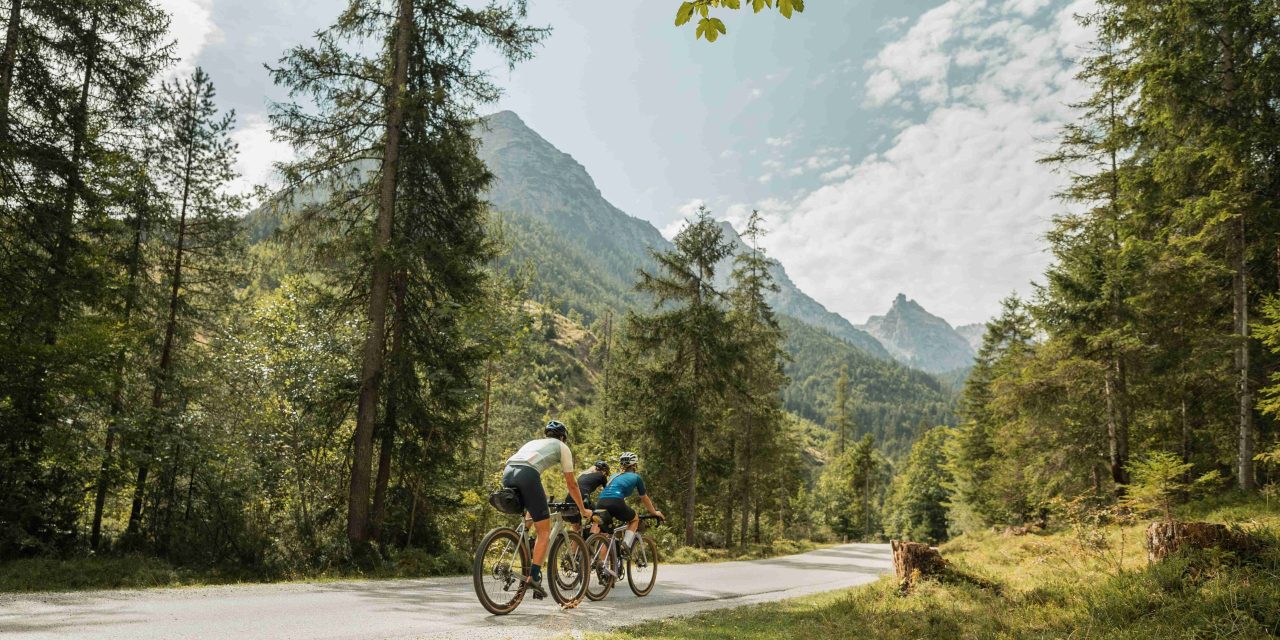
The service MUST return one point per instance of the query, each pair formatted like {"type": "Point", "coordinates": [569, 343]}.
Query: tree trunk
{"type": "Point", "coordinates": [1166, 537]}
{"type": "Point", "coordinates": [690, 496]}
{"type": "Point", "coordinates": [390, 423]}
{"type": "Point", "coordinates": [483, 523]}
{"type": "Point", "coordinates": [1240, 300]}
{"type": "Point", "coordinates": [373, 356]}
{"type": "Point", "coordinates": [913, 559]}
{"type": "Point", "coordinates": [8, 61]}
{"type": "Point", "coordinates": [1117, 433]}
{"type": "Point", "coordinates": [745, 491]}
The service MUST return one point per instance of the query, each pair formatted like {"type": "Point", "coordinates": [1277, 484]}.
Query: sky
{"type": "Point", "coordinates": [892, 145]}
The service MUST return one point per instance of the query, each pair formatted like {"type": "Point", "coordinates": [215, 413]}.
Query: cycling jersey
{"type": "Point", "coordinates": [587, 484]}
{"type": "Point", "coordinates": [623, 485]}
{"type": "Point", "coordinates": [590, 481]}
{"type": "Point", "coordinates": [542, 454]}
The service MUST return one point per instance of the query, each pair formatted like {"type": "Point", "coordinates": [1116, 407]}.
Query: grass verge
{"type": "Point", "coordinates": [143, 572]}
{"type": "Point", "coordinates": [1057, 584]}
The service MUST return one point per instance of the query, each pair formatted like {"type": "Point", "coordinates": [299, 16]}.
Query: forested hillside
{"type": "Point", "coordinates": [534, 179]}
{"type": "Point", "coordinates": [1148, 355]}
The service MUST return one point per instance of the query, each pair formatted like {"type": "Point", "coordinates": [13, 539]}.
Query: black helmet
{"type": "Point", "coordinates": [602, 466]}
{"type": "Point", "coordinates": [556, 429]}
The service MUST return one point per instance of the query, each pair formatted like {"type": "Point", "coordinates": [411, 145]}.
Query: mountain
{"type": "Point", "coordinates": [537, 185]}
{"type": "Point", "coordinates": [891, 401]}
{"type": "Point", "coordinates": [972, 333]}
{"type": "Point", "coordinates": [920, 339]}
{"type": "Point", "coordinates": [790, 300]}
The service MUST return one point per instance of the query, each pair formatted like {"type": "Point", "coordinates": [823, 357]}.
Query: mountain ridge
{"type": "Point", "coordinates": [535, 179]}
{"type": "Point", "coordinates": [920, 339]}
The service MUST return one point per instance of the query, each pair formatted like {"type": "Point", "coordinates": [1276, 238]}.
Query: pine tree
{"type": "Point", "coordinates": [353, 147]}
{"type": "Point", "coordinates": [681, 356]}
{"type": "Point", "coordinates": [757, 402]}
{"type": "Point", "coordinates": [194, 163]}
{"type": "Point", "coordinates": [1086, 301]}
{"type": "Point", "coordinates": [71, 78]}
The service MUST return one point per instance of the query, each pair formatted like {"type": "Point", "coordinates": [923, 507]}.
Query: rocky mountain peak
{"type": "Point", "coordinates": [920, 339]}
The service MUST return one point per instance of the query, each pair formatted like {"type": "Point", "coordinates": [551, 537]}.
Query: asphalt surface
{"type": "Point", "coordinates": [427, 608]}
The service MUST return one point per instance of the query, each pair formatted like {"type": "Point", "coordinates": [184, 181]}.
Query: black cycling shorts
{"type": "Point", "coordinates": [528, 482]}
{"type": "Point", "coordinates": [618, 509]}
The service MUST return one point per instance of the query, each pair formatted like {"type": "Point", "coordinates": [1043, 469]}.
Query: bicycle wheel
{"type": "Point", "coordinates": [498, 581]}
{"type": "Point", "coordinates": [598, 583]}
{"type": "Point", "coordinates": [568, 565]}
{"type": "Point", "coordinates": [642, 567]}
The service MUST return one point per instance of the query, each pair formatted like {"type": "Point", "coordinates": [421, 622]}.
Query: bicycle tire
{"type": "Point", "coordinates": [651, 559]}
{"type": "Point", "coordinates": [478, 570]}
{"type": "Point", "coordinates": [597, 589]}
{"type": "Point", "coordinates": [572, 596]}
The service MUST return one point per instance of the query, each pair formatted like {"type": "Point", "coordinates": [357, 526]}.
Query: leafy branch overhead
{"type": "Point", "coordinates": [712, 28]}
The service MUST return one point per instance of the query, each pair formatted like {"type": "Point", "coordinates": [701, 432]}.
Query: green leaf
{"type": "Point", "coordinates": [684, 13]}
{"type": "Point", "coordinates": [757, 5]}
{"type": "Point", "coordinates": [798, 5]}
{"type": "Point", "coordinates": [732, 4]}
{"type": "Point", "coordinates": [784, 6]}
{"type": "Point", "coordinates": [714, 27]}
{"type": "Point", "coordinates": [702, 28]}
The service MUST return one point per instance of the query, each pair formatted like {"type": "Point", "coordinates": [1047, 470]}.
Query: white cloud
{"type": "Point", "coordinates": [672, 228]}
{"type": "Point", "coordinates": [953, 211]}
{"type": "Point", "coordinates": [192, 28]}
{"type": "Point", "coordinates": [258, 152]}
{"type": "Point", "coordinates": [919, 59]}
{"type": "Point", "coordinates": [781, 141]}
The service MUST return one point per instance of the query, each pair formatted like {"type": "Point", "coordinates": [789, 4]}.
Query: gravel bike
{"type": "Point", "coordinates": [500, 586]}
{"type": "Point", "coordinates": [607, 552]}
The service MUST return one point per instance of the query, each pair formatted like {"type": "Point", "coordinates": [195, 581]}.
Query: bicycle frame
{"type": "Point", "coordinates": [611, 551]}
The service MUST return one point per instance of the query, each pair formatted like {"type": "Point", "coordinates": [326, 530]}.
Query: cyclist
{"type": "Point", "coordinates": [592, 479]}
{"type": "Point", "coordinates": [524, 474]}
{"type": "Point", "coordinates": [613, 500]}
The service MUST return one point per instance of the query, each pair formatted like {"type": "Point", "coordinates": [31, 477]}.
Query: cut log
{"type": "Point", "coordinates": [912, 560]}
{"type": "Point", "coordinates": [1166, 538]}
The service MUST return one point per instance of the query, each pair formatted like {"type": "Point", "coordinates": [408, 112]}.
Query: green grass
{"type": "Point", "coordinates": [1048, 585]}
{"type": "Point", "coordinates": [142, 572]}
{"type": "Point", "coordinates": [690, 555]}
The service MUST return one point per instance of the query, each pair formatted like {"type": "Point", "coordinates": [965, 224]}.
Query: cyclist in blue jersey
{"type": "Point", "coordinates": [614, 498]}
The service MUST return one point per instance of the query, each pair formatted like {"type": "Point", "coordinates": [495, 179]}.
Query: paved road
{"type": "Point", "coordinates": [428, 608]}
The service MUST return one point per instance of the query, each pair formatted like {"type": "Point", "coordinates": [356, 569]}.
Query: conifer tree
{"type": "Point", "coordinates": [682, 354]}
{"type": "Point", "coordinates": [757, 401]}
{"type": "Point", "coordinates": [353, 145]}
{"type": "Point", "coordinates": [194, 162]}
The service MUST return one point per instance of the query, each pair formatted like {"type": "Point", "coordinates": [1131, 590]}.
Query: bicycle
{"type": "Point", "coordinates": [501, 589]}
{"type": "Point", "coordinates": [641, 560]}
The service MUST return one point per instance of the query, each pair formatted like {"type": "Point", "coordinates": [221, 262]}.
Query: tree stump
{"type": "Point", "coordinates": [911, 560]}
{"type": "Point", "coordinates": [1167, 537]}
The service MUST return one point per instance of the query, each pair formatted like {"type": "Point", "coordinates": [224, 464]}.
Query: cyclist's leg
{"type": "Point", "coordinates": [529, 482]}
{"type": "Point", "coordinates": [543, 527]}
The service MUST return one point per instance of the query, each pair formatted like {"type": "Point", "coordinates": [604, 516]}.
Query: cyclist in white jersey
{"type": "Point", "coordinates": [524, 474]}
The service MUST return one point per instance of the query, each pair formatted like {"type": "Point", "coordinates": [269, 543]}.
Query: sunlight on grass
{"type": "Point", "coordinates": [1049, 586]}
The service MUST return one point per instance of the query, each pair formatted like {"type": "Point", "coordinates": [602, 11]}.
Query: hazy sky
{"type": "Point", "coordinates": [892, 144]}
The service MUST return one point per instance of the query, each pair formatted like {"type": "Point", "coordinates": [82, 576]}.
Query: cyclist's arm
{"type": "Point", "coordinates": [648, 504]}
{"type": "Point", "coordinates": [574, 492]}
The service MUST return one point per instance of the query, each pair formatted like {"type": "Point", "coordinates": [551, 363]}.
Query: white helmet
{"type": "Point", "coordinates": [627, 459]}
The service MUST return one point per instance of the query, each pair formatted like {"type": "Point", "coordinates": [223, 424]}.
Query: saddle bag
{"type": "Point", "coordinates": [507, 500]}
